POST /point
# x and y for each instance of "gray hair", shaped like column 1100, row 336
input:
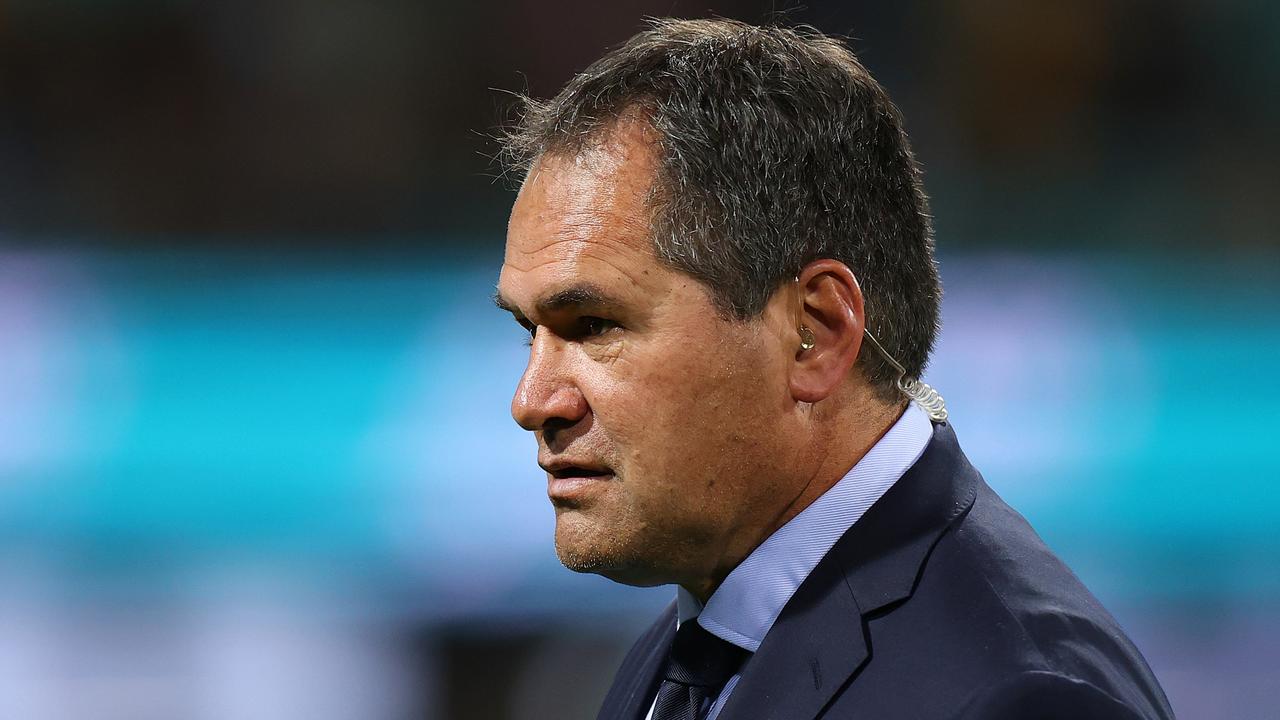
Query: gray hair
column 777, row 148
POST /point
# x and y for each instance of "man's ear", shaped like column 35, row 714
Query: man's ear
column 829, row 322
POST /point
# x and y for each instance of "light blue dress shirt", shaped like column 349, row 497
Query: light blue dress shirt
column 747, row 603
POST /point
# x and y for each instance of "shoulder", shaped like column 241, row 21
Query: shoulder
column 1023, row 586
column 1061, row 649
column 1044, row 696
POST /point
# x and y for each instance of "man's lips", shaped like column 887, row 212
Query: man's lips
column 569, row 482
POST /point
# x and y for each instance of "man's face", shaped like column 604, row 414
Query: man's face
column 657, row 420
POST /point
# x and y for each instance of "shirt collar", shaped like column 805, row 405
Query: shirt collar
column 747, row 603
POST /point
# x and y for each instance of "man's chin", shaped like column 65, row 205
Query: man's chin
column 607, row 559
column 622, row 575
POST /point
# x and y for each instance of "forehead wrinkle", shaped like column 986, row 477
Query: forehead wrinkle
column 593, row 224
column 570, row 275
column 572, row 244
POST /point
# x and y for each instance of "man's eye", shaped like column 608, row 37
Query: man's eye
column 592, row 326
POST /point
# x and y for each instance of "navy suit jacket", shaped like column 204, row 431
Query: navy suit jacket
column 940, row 602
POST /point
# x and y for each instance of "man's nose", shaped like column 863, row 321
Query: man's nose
column 546, row 395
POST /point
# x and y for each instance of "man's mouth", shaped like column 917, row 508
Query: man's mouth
column 573, row 471
column 569, row 483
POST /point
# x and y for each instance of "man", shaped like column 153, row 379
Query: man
column 723, row 256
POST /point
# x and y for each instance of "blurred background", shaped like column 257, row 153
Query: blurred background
column 256, row 460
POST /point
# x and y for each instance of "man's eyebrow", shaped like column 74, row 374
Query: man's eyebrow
column 581, row 295
column 505, row 304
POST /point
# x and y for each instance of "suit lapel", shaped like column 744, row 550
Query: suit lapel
column 819, row 641
column 636, row 682
column 814, row 646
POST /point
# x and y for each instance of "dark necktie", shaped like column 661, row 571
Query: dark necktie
column 697, row 669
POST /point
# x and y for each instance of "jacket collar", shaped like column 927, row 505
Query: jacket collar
column 819, row 642
column 751, row 597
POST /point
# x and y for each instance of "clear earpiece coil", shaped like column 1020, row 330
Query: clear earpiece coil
column 921, row 393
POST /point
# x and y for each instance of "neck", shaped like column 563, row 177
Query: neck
column 837, row 443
